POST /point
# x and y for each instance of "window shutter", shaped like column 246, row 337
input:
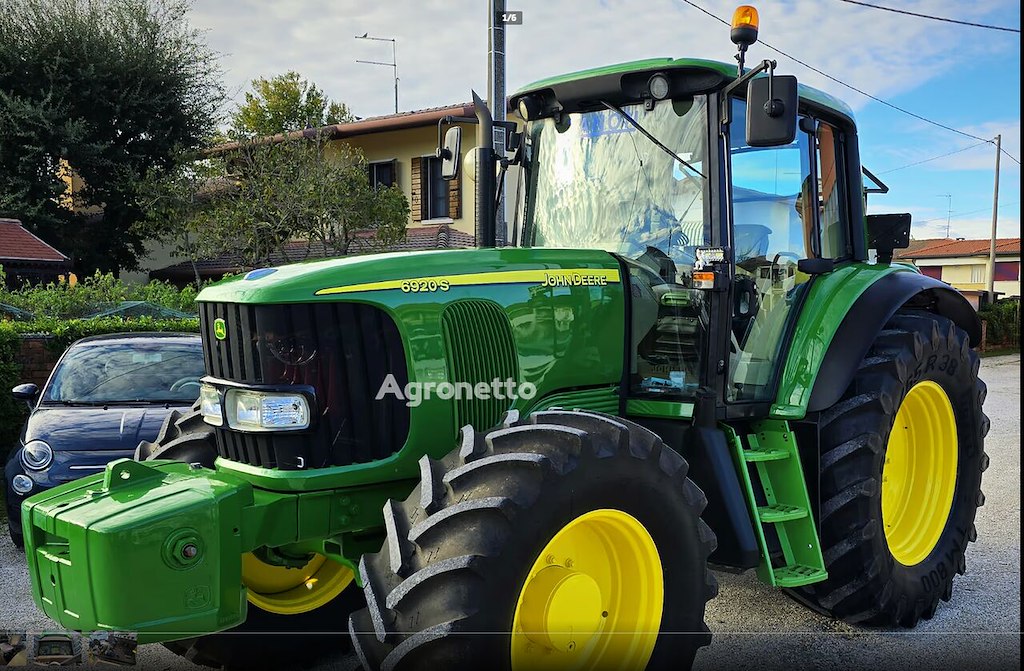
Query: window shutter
column 455, row 198
column 416, row 195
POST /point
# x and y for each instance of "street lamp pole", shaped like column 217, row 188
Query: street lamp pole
column 394, row 59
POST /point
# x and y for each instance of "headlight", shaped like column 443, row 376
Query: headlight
column 266, row 411
column 209, row 405
column 36, row 455
column 21, row 484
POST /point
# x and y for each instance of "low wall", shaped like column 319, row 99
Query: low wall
column 35, row 358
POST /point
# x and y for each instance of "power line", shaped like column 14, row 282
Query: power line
column 933, row 158
column 849, row 86
column 929, row 16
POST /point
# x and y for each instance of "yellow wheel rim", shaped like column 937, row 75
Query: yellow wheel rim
column 290, row 591
column 919, row 475
column 592, row 599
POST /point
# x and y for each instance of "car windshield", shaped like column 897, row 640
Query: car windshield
column 599, row 183
column 127, row 372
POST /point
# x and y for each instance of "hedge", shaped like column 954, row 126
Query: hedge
column 62, row 333
column 1003, row 319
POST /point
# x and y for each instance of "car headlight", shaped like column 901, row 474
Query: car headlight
column 209, row 405
column 21, row 484
column 36, row 455
column 266, row 411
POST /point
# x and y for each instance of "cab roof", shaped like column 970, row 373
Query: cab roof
column 725, row 72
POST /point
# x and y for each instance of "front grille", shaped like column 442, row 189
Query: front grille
column 481, row 348
column 344, row 351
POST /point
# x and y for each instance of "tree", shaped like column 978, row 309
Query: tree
column 271, row 193
column 108, row 91
column 176, row 198
column 285, row 103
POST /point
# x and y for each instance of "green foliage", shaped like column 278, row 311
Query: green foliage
column 284, row 103
column 63, row 301
column 113, row 90
column 1003, row 319
column 173, row 198
column 271, row 193
column 63, row 332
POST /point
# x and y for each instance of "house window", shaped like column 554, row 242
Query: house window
column 383, row 173
column 1007, row 271
column 432, row 196
column 977, row 274
column 934, row 272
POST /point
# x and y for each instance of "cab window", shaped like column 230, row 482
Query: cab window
column 835, row 233
column 773, row 195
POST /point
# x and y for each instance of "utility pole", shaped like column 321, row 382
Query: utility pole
column 394, row 59
column 496, row 101
column 995, row 218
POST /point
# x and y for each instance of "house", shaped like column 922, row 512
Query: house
column 964, row 264
column 400, row 149
column 26, row 258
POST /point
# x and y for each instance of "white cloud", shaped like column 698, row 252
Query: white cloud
column 970, row 227
column 442, row 44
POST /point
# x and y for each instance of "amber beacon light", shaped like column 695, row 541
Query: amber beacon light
column 744, row 26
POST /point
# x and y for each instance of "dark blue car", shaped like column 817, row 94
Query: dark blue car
column 104, row 396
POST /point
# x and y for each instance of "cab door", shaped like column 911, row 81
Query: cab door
column 786, row 204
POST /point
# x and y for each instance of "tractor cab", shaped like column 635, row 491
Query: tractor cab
column 722, row 193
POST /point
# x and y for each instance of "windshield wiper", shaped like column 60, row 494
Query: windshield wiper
column 69, row 402
column 632, row 122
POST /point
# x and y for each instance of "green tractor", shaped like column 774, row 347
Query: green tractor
column 698, row 352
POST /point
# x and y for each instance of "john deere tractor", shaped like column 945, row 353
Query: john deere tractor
column 698, row 351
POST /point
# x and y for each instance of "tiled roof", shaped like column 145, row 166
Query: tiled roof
column 947, row 247
column 419, row 238
column 19, row 244
column 375, row 124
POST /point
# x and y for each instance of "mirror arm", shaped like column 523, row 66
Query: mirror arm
column 447, row 121
column 765, row 65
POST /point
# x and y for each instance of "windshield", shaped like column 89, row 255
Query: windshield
column 599, row 183
column 151, row 372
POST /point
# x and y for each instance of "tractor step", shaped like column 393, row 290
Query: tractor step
column 780, row 513
column 769, row 452
column 764, row 454
column 795, row 576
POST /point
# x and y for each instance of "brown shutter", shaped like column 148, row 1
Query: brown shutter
column 416, row 200
column 455, row 198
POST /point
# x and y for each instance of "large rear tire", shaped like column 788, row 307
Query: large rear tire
column 902, row 455
column 567, row 540
column 286, row 625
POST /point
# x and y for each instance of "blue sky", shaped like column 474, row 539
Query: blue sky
column 961, row 76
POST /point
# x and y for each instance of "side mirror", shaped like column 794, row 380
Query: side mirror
column 26, row 392
column 771, row 111
column 450, row 153
column 887, row 232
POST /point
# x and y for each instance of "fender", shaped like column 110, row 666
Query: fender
column 868, row 316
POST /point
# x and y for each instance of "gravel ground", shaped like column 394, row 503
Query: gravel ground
column 756, row 627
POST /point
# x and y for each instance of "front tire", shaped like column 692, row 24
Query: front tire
column 567, row 540
column 902, row 455
column 286, row 624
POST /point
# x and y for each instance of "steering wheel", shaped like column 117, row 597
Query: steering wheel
column 184, row 382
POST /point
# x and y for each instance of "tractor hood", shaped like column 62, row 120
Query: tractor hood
column 415, row 273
